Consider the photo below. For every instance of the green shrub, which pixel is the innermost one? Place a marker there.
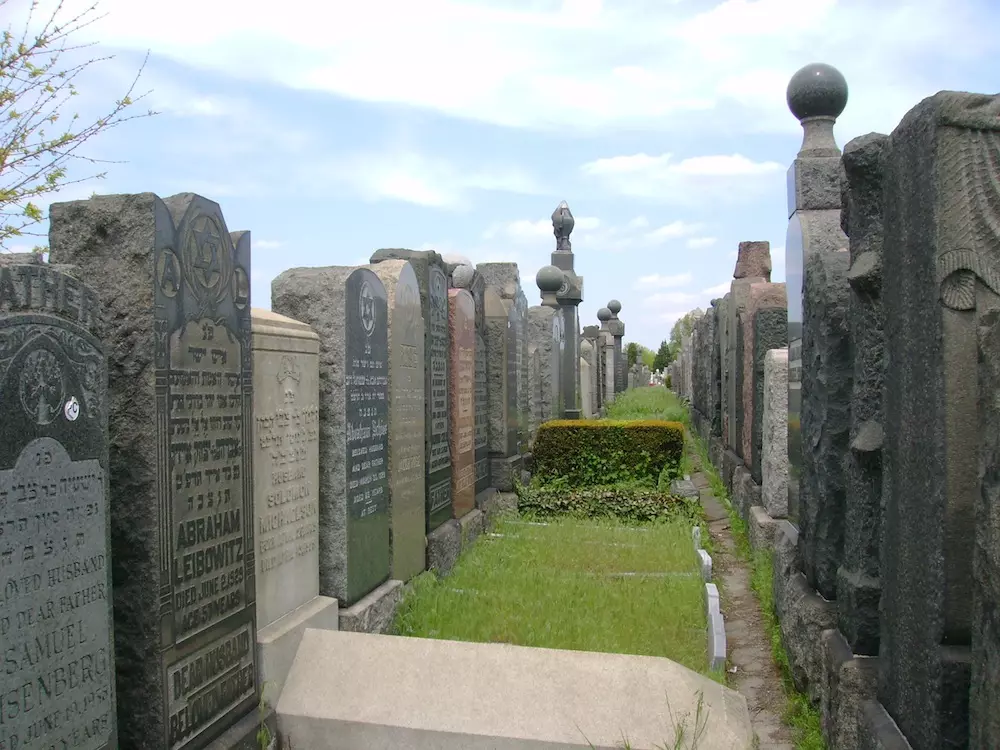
(598, 452)
(630, 502)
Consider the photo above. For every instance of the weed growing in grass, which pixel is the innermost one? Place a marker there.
(685, 738)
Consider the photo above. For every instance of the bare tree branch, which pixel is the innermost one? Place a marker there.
(38, 139)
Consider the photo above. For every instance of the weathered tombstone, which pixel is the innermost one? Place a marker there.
(430, 271)
(506, 279)
(286, 492)
(504, 464)
(466, 277)
(55, 606)
(347, 307)
(774, 437)
(940, 251)
(767, 312)
(617, 329)
(462, 365)
(753, 266)
(181, 421)
(587, 379)
(407, 502)
(541, 335)
(858, 589)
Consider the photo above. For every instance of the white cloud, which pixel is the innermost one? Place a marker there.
(576, 65)
(654, 281)
(413, 178)
(696, 243)
(686, 181)
(591, 233)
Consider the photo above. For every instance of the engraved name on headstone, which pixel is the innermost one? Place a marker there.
(347, 309)
(55, 600)
(461, 314)
(181, 423)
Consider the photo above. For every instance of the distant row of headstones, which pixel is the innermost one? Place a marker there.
(212, 478)
(857, 426)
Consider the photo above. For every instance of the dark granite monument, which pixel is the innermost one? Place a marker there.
(347, 307)
(180, 419)
(55, 604)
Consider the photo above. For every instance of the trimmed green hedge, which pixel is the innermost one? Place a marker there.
(590, 452)
(634, 502)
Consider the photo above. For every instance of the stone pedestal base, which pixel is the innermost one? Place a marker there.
(374, 613)
(447, 542)
(278, 642)
(504, 470)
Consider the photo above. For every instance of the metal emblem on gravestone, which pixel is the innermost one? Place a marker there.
(208, 260)
(42, 388)
(366, 302)
(72, 409)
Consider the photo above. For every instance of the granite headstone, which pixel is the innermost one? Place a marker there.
(462, 386)
(55, 604)
(181, 421)
(347, 307)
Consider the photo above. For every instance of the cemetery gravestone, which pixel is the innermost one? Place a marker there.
(347, 308)
(407, 503)
(181, 423)
(429, 269)
(462, 324)
(55, 604)
(286, 493)
(503, 463)
(285, 463)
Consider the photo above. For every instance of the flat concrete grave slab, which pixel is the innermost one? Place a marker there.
(348, 690)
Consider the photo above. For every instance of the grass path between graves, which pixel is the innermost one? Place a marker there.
(570, 584)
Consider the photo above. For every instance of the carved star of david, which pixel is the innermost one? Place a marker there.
(367, 309)
(207, 268)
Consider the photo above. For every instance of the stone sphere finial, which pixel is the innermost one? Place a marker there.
(549, 279)
(817, 90)
(615, 306)
(461, 277)
(604, 315)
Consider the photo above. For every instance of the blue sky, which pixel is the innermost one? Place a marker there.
(331, 128)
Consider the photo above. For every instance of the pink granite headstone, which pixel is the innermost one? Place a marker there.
(462, 341)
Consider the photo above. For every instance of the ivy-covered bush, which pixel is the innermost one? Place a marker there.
(588, 452)
(631, 502)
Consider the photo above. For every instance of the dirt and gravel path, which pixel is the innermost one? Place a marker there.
(750, 667)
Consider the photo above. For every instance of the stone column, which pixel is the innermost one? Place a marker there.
(816, 95)
(607, 356)
(570, 295)
(617, 330)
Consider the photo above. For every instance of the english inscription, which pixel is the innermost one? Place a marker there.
(204, 398)
(366, 406)
(57, 651)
